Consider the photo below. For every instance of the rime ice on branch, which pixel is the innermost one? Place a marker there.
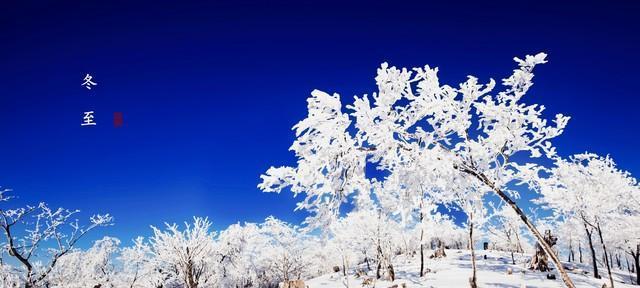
(38, 237)
(459, 134)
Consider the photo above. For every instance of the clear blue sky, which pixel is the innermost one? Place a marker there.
(209, 90)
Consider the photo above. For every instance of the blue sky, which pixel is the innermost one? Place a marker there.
(210, 89)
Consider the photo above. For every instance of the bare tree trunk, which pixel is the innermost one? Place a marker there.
(571, 254)
(540, 261)
(344, 266)
(606, 256)
(421, 239)
(421, 257)
(366, 260)
(472, 281)
(391, 272)
(519, 248)
(190, 278)
(135, 278)
(379, 248)
(379, 266)
(636, 259)
(580, 250)
(565, 277)
(593, 252)
(13, 251)
(629, 269)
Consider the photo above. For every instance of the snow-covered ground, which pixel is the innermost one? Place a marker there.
(455, 269)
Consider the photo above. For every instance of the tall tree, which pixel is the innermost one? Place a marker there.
(462, 130)
(436, 120)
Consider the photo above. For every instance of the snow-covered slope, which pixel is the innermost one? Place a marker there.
(454, 271)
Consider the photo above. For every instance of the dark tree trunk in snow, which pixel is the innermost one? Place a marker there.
(421, 240)
(571, 253)
(366, 260)
(540, 261)
(379, 266)
(391, 272)
(636, 259)
(593, 252)
(539, 238)
(344, 267)
(472, 281)
(580, 251)
(606, 256)
(421, 257)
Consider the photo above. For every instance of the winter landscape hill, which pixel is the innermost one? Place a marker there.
(455, 269)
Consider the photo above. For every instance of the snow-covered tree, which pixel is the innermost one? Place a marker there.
(626, 238)
(414, 112)
(286, 249)
(39, 236)
(240, 259)
(185, 256)
(369, 237)
(9, 276)
(462, 130)
(330, 165)
(410, 192)
(264, 254)
(504, 230)
(570, 233)
(139, 266)
(93, 267)
(591, 188)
